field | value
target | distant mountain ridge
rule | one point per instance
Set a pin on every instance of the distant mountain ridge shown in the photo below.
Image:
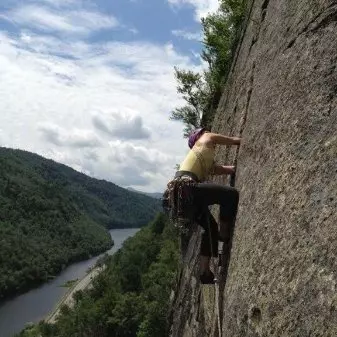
(52, 215)
(155, 195)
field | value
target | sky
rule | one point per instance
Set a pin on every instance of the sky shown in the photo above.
(90, 83)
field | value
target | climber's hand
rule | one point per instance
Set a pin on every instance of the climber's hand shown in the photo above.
(222, 169)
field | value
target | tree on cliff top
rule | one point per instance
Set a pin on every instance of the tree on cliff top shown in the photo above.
(202, 92)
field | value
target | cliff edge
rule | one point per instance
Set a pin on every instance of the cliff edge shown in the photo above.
(281, 97)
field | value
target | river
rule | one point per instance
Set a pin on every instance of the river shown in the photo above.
(36, 304)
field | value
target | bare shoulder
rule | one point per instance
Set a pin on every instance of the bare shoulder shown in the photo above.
(206, 139)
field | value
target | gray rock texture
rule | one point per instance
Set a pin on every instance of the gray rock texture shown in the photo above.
(281, 97)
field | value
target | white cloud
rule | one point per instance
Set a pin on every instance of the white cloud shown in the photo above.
(78, 21)
(139, 165)
(46, 44)
(51, 89)
(122, 126)
(187, 35)
(69, 138)
(202, 7)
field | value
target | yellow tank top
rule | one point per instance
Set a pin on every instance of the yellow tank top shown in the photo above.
(199, 160)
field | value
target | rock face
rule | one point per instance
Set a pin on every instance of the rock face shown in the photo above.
(281, 97)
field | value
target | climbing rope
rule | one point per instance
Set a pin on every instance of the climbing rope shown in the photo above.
(217, 295)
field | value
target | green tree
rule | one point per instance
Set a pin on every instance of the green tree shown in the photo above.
(195, 92)
(202, 91)
(120, 304)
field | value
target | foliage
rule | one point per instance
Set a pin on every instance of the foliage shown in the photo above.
(104, 202)
(51, 216)
(130, 298)
(202, 91)
(195, 92)
(69, 283)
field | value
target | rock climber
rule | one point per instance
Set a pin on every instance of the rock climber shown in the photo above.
(197, 166)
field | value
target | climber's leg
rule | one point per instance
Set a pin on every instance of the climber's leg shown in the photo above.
(205, 264)
(225, 230)
(210, 236)
(227, 197)
(206, 194)
(207, 277)
(208, 247)
(232, 179)
(227, 216)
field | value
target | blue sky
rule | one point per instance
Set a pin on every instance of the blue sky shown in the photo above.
(155, 21)
(91, 83)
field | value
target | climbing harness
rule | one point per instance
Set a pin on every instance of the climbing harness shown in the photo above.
(178, 201)
(178, 198)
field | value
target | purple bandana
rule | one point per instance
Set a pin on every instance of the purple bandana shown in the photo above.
(194, 136)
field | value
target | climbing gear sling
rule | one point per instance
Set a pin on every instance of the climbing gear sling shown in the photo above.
(178, 200)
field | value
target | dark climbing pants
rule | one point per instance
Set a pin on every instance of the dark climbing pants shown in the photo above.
(204, 195)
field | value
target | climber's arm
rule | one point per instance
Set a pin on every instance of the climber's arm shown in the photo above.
(224, 140)
(222, 169)
(216, 138)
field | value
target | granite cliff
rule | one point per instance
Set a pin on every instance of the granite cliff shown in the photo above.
(281, 97)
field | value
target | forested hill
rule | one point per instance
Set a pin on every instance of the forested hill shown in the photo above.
(130, 297)
(103, 201)
(51, 215)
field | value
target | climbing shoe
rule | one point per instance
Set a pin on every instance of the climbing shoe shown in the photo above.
(207, 278)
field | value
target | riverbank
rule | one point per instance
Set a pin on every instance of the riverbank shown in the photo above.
(68, 297)
(131, 296)
(40, 303)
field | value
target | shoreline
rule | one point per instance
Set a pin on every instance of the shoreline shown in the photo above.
(33, 285)
(22, 311)
(67, 298)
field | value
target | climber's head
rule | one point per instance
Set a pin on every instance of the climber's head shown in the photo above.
(194, 136)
